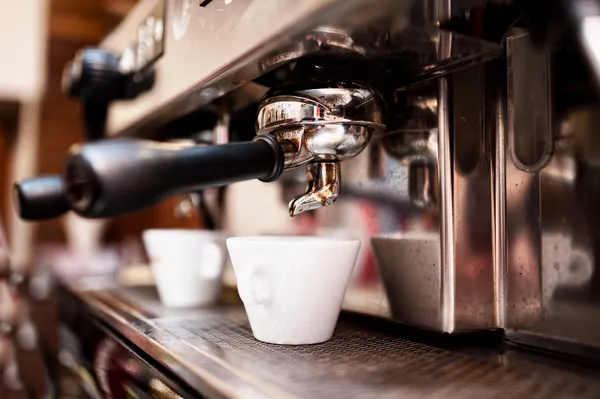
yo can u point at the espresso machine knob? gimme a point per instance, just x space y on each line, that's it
98 77
92 72
40 198
93 76
114 177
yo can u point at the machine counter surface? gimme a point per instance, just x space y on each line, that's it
214 352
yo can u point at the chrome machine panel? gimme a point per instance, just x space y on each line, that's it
214 48
552 214
419 196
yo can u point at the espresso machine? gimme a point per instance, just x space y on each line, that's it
454 137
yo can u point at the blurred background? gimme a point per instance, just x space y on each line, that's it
38 124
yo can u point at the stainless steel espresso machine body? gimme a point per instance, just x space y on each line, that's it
358 97
456 139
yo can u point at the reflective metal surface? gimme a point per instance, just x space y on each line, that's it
323 187
552 214
213 351
325 124
350 103
479 208
529 111
522 185
422 210
419 197
322 126
229 43
104 366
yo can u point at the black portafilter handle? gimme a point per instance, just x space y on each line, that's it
40 198
119 176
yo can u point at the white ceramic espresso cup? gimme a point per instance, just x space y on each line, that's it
187 265
292 286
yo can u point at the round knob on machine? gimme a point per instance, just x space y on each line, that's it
93 72
40 198
95 77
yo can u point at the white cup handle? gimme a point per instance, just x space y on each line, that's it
211 266
257 292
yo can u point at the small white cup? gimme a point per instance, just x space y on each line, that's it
187 265
292 286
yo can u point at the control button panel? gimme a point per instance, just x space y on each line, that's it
149 43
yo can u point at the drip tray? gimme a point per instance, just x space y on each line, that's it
214 351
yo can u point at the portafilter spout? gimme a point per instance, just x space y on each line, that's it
319 127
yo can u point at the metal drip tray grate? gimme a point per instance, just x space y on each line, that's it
214 352
361 362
